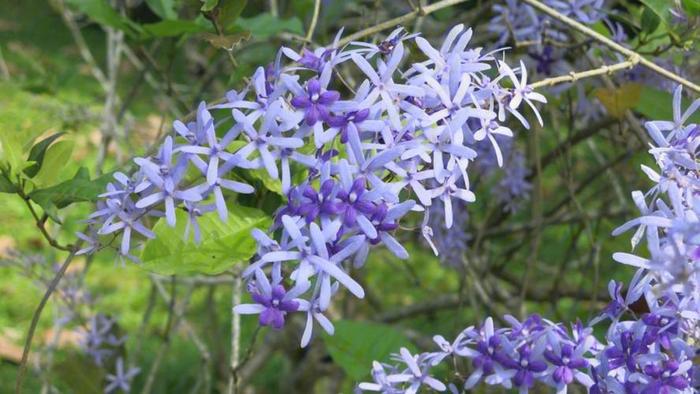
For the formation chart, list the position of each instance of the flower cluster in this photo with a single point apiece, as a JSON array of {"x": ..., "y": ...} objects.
[
  {"x": 670, "y": 222},
  {"x": 653, "y": 352},
  {"x": 534, "y": 350},
  {"x": 657, "y": 350},
  {"x": 511, "y": 189},
  {"x": 515, "y": 20},
  {"x": 550, "y": 45},
  {"x": 98, "y": 338},
  {"x": 100, "y": 342},
  {"x": 401, "y": 140}
]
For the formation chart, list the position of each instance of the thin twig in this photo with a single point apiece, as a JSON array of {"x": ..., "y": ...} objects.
[
  {"x": 169, "y": 324},
  {"x": 572, "y": 141},
  {"x": 41, "y": 223},
  {"x": 537, "y": 217},
  {"x": 83, "y": 48},
  {"x": 115, "y": 39},
  {"x": 399, "y": 20},
  {"x": 314, "y": 20},
  {"x": 575, "y": 76},
  {"x": 235, "y": 334},
  {"x": 176, "y": 311},
  {"x": 611, "y": 44},
  {"x": 37, "y": 315}
]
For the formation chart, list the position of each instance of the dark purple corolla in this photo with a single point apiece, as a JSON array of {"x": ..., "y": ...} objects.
[
  {"x": 565, "y": 362},
  {"x": 315, "y": 102},
  {"x": 667, "y": 377},
  {"x": 526, "y": 363},
  {"x": 272, "y": 301},
  {"x": 322, "y": 202}
]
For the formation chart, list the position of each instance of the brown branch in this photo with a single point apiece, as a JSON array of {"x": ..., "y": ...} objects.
[
  {"x": 575, "y": 76},
  {"x": 419, "y": 11},
  {"x": 37, "y": 316},
  {"x": 611, "y": 44},
  {"x": 41, "y": 223}
]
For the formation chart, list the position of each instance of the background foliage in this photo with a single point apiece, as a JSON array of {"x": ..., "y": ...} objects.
[{"x": 70, "y": 120}]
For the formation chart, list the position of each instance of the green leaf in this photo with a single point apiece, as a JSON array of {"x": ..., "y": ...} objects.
[
  {"x": 170, "y": 28},
  {"x": 11, "y": 151},
  {"x": 662, "y": 9},
  {"x": 229, "y": 11},
  {"x": 208, "y": 5},
  {"x": 5, "y": 185},
  {"x": 163, "y": 8},
  {"x": 692, "y": 7},
  {"x": 271, "y": 184},
  {"x": 56, "y": 158},
  {"x": 223, "y": 244},
  {"x": 650, "y": 20},
  {"x": 265, "y": 25},
  {"x": 36, "y": 155},
  {"x": 656, "y": 104},
  {"x": 78, "y": 189},
  {"x": 101, "y": 12},
  {"x": 355, "y": 344}
]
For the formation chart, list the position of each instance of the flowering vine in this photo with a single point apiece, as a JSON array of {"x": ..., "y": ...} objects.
[
  {"x": 403, "y": 140},
  {"x": 653, "y": 352}
]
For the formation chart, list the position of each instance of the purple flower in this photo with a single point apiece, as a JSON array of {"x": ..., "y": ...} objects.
[
  {"x": 121, "y": 379},
  {"x": 585, "y": 11},
  {"x": 194, "y": 211},
  {"x": 525, "y": 363},
  {"x": 667, "y": 377},
  {"x": 545, "y": 60},
  {"x": 416, "y": 375},
  {"x": 449, "y": 190},
  {"x": 384, "y": 87},
  {"x": 322, "y": 202},
  {"x": 266, "y": 139},
  {"x": 320, "y": 57},
  {"x": 341, "y": 123},
  {"x": 381, "y": 381},
  {"x": 625, "y": 350},
  {"x": 195, "y": 132},
  {"x": 98, "y": 340},
  {"x": 679, "y": 117},
  {"x": 216, "y": 150},
  {"x": 566, "y": 362},
  {"x": 357, "y": 206},
  {"x": 521, "y": 92},
  {"x": 315, "y": 102},
  {"x": 129, "y": 223},
  {"x": 165, "y": 178},
  {"x": 314, "y": 312},
  {"x": 405, "y": 125},
  {"x": 273, "y": 302}
]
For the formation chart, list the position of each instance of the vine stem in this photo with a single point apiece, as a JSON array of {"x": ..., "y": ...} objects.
[
  {"x": 611, "y": 44},
  {"x": 314, "y": 20},
  {"x": 235, "y": 334},
  {"x": 575, "y": 76},
  {"x": 418, "y": 11},
  {"x": 37, "y": 315}
]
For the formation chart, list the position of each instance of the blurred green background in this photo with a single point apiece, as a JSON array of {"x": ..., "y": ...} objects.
[{"x": 172, "y": 58}]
